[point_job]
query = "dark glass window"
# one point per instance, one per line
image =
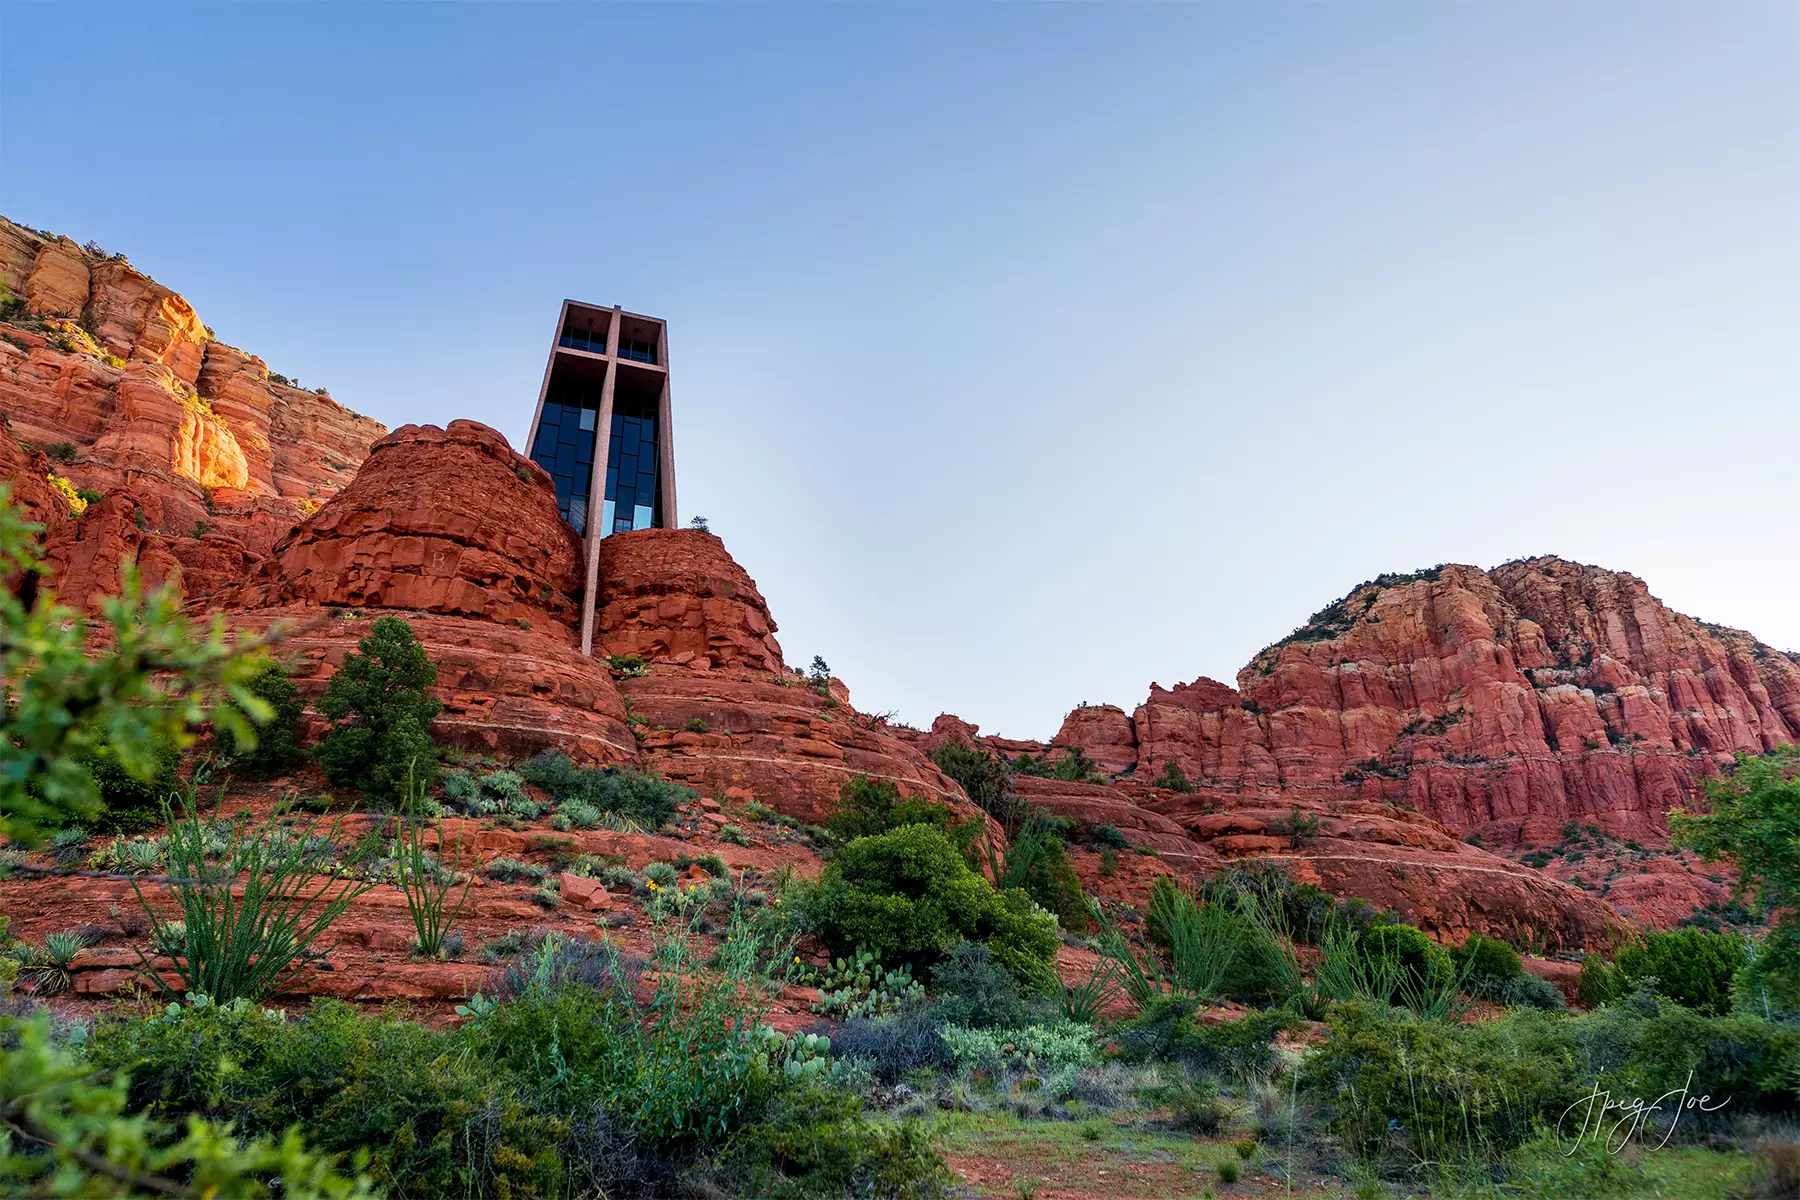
(631, 473)
(566, 450)
(637, 350)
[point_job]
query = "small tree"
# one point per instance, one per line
(1172, 778)
(277, 746)
(700, 524)
(1755, 821)
(382, 702)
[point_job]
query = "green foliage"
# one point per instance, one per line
(985, 777)
(249, 915)
(381, 702)
(1166, 1031)
(433, 1119)
(628, 666)
(1457, 1091)
(1076, 767)
(427, 882)
(277, 745)
(70, 1135)
(129, 803)
(1755, 822)
(1690, 966)
(1037, 862)
(1488, 964)
(858, 987)
(1041, 1049)
(1417, 956)
(639, 795)
(679, 1066)
(871, 807)
(909, 896)
(1599, 982)
(972, 989)
(814, 1143)
(67, 701)
(1172, 778)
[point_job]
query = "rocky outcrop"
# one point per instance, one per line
(1104, 733)
(675, 596)
(1506, 703)
(445, 521)
(1392, 857)
(98, 358)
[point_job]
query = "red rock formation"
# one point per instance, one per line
(1507, 703)
(1104, 733)
(116, 365)
(441, 521)
(676, 596)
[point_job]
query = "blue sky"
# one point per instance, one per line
(1024, 354)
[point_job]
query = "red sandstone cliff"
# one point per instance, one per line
(117, 370)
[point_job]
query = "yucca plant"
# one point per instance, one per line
(47, 966)
(1084, 1002)
(425, 878)
(250, 944)
(141, 856)
(1139, 979)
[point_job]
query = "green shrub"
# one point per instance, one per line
(1599, 982)
(1531, 991)
(434, 1119)
(1690, 966)
(871, 807)
(1037, 862)
(973, 990)
(1457, 1091)
(1172, 778)
(985, 778)
(814, 1142)
(1418, 958)
(639, 795)
(1076, 767)
(277, 746)
(130, 804)
(380, 700)
(909, 896)
(1166, 1031)
(1486, 959)
(70, 1135)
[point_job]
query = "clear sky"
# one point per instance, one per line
(1024, 354)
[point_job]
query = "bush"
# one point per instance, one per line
(277, 746)
(1599, 982)
(1690, 966)
(70, 1135)
(1457, 1091)
(1419, 959)
(813, 1141)
(1165, 1031)
(434, 1120)
(646, 798)
(130, 804)
(1037, 862)
(871, 807)
(894, 1046)
(985, 778)
(972, 989)
(909, 896)
(1042, 1049)
(1526, 990)
(1486, 962)
(380, 699)
(1172, 778)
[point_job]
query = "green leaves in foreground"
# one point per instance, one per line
(64, 1132)
(156, 681)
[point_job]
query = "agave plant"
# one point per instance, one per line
(141, 856)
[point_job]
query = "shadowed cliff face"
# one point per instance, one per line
(100, 359)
